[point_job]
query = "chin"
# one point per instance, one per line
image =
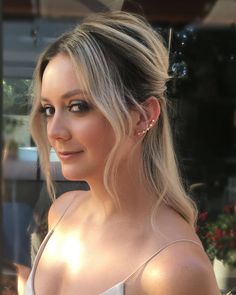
(73, 174)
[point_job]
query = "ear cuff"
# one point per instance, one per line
(147, 129)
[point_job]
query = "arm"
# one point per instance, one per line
(180, 272)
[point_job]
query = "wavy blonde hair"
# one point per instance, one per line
(120, 61)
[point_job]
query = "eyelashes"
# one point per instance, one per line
(47, 111)
(74, 107)
(79, 106)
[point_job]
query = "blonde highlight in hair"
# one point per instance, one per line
(120, 62)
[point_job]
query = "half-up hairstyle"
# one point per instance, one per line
(120, 62)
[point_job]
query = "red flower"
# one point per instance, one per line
(203, 216)
(218, 233)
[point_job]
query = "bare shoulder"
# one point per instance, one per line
(180, 269)
(60, 205)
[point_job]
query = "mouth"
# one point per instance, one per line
(68, 154)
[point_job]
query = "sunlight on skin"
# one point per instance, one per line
(154, 273)
(69, 251)
(72, 253)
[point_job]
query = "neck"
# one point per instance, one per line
(135, 201)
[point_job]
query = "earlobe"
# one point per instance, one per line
(149, 118)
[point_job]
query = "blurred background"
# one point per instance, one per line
(201, 36)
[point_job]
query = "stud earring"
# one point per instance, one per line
(142, 132)
(151, 125)
(147, 129)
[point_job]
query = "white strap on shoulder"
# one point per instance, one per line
(159, 251)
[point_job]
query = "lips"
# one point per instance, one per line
(66, 155)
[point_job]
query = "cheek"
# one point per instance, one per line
(95, 134)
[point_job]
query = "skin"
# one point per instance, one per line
(96, 242)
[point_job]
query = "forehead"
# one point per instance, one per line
(59, 74)
(61, 79)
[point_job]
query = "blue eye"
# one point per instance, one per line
(48, 111)
(79, 106)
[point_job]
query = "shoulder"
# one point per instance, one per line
(181, 269)
(61, 204)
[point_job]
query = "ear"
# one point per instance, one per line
(144, 122)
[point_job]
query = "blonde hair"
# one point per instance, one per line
(122, 62)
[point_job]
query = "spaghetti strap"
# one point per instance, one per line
(158, 252)
(63, 214)
(42, 246)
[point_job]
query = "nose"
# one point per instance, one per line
(58, 128)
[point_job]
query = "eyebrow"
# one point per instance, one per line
(69, 94)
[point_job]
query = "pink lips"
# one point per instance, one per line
(68, 155)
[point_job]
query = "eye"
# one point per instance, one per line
(47, 110)
(79, 106)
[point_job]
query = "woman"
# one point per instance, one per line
(100, 102)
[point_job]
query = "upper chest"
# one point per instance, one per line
(69, 265)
